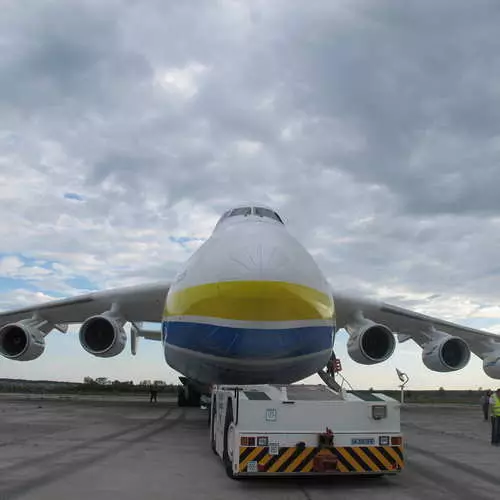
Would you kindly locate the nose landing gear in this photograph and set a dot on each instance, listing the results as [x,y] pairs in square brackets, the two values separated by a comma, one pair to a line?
[189,393]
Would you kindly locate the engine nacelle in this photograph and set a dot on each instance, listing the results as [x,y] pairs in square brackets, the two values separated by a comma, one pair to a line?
[21,342]
[369,343]
[446,354]
[103,335]
[491,365]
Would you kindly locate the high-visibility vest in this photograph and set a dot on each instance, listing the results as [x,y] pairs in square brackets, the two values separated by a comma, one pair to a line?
[495,407]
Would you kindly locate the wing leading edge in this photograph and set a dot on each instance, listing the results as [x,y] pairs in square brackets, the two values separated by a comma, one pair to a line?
[135,303]
[409,324]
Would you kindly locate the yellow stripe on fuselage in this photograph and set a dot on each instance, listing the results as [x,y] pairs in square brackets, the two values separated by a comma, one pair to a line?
[251,301]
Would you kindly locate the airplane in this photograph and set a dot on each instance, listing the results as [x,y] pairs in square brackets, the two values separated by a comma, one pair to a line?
[250,306]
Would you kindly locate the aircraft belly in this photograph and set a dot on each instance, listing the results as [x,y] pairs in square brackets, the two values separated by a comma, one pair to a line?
[218,370]
[218,353]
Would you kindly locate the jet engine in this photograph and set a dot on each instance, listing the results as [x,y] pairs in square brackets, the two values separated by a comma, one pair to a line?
[447,354]
[21,341]
[491,365]
[103,335]
[369,343]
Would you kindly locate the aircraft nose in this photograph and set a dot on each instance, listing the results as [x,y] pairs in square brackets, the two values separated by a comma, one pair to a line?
[255,260]
[268,257]
[263,276]
[257,296]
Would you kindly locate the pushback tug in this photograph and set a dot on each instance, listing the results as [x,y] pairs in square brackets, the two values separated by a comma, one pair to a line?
[274,430]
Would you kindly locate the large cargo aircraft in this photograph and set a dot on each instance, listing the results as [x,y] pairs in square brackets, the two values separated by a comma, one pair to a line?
[249,307]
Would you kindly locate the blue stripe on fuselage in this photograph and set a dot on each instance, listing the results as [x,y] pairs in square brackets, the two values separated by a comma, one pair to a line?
[247,343]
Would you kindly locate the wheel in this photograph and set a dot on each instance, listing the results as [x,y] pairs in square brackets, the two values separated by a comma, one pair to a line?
[181,397]
[227,456]
[212,412]
[194,397]
[230,443]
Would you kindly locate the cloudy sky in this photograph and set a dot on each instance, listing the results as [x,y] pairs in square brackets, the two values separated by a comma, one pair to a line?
[373,127]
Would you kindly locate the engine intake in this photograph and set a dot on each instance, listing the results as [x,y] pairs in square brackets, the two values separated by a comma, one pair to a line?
[103,336]
[21,342]
[369,343]
[447,354]
[491,365]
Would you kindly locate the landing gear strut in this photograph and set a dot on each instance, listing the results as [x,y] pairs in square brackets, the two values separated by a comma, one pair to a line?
[328,373]
[187,394]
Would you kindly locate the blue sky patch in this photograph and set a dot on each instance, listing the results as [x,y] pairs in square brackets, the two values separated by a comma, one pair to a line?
[8,284]
[73,196]
[183,240]
[81,282]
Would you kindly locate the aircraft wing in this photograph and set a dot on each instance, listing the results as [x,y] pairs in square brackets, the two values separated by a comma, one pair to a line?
[409,324]
[135,303]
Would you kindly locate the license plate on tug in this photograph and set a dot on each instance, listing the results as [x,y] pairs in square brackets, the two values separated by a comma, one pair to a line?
[363,441]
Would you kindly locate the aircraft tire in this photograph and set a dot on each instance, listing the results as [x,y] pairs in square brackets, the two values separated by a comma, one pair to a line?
[181,397]
[194,398]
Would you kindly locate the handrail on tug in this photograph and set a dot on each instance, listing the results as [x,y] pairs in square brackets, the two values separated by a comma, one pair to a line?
[237,397]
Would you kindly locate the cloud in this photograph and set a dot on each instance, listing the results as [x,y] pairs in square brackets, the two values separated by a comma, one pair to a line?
[14,298]
[10,265]
[128,128]
[181,81]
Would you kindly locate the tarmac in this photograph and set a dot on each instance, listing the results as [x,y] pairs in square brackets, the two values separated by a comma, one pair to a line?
[128,449]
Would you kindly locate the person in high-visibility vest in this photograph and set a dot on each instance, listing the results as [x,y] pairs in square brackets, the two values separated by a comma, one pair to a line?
[495,418]
[485,403]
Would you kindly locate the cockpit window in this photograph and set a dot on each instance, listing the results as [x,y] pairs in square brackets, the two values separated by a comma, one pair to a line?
[245,211]
[265,212]
[241,211]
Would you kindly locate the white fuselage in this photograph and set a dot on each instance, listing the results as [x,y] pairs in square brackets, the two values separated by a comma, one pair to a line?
[251,306]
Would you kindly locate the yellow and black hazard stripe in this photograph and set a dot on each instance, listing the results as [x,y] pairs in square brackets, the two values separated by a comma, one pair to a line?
[350,459]
[370,458]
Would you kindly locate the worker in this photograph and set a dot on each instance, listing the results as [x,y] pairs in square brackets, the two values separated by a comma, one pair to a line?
[495,418]
[485,404]
[153,394]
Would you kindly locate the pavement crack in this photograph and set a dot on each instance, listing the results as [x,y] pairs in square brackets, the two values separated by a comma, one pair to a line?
[305,493]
